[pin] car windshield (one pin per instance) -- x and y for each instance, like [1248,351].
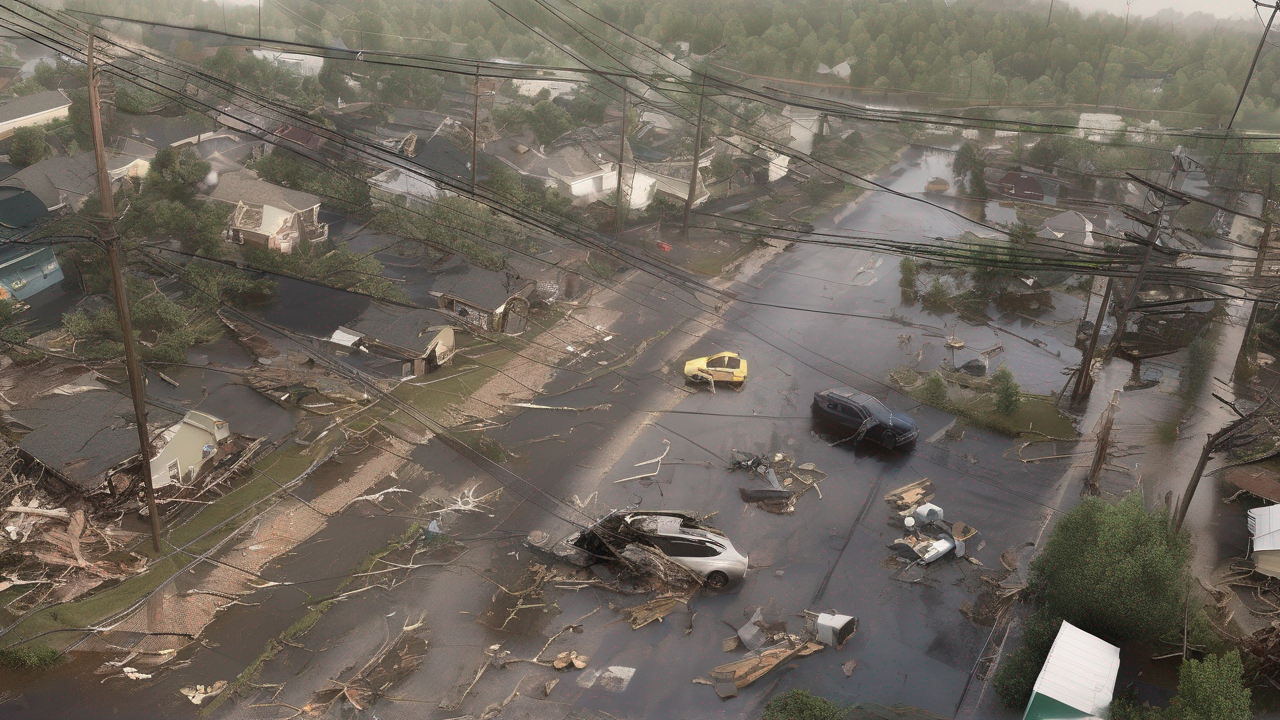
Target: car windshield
[878,410]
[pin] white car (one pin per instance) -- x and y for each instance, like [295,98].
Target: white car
[681,536]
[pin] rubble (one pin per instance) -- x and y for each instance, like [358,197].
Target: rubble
[769,646]
[199,693]
[928,536]
[787,481]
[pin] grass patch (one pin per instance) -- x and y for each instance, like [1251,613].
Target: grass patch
[1036,413]
[1167,432]
[35,657]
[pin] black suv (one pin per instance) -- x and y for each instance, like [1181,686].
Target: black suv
[861,413]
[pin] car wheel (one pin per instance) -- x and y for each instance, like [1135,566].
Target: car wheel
[717,580]
[889,441]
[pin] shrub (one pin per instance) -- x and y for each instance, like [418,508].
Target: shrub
[908,273]
[29,657]
[1017,674]
[937,297]
[1212,689]
[1008,394]
[935,390]
[801,705]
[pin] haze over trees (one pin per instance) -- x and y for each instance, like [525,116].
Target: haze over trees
[977,51]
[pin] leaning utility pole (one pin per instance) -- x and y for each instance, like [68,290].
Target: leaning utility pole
[622,156]
[1122,315]
[1185,502]
[693,172]
[1256,54]
[1257,274]
[1084,379]
[111,245]
[475,126]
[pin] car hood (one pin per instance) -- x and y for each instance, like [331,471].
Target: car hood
[902,423]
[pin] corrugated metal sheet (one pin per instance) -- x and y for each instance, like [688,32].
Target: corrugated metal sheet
[1264,525]
[1080,671]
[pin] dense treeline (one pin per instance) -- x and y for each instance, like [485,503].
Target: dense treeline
[980,51]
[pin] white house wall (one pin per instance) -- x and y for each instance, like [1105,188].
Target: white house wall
[40,118]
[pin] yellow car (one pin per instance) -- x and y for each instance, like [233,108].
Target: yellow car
[725,368]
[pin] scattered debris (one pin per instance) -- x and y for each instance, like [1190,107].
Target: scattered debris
[133,674]
[741,673]
[394,661]
[928,537]
[551,684]
[702,681]
[569,658]
[657,460]
[849,667]
[787,481]
[616,678]
[655,609]
[730,644]
[200,693]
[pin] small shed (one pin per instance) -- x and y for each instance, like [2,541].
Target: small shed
[1264,529]
[1078,678]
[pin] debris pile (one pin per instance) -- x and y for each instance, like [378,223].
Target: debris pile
[928,536]
[394,661]
[56,545]
[787,481]
[634,546]
[770,645]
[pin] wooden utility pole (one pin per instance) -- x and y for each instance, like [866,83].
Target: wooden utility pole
[1084,380]
[1205,456]
[1122,315]
[1257,273]
[475,126]
[111,245]
[622,156]
[693,173]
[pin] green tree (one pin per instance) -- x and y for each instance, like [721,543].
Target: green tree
[28,146]
[722,166]
[935,390]
[174,174]
[1008,394]
[46,75]
[1113,570]
[548,121]
[1212,689]
[1017,674]
[802,705]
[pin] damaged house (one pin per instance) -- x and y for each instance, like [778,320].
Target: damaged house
[85,434]
[397,342]
[269,216]
[491,301]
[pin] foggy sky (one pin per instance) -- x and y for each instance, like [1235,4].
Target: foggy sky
[1147,8]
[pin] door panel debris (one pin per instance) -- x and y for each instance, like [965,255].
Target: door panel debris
[787,481]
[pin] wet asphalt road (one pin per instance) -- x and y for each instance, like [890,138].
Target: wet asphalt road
[913,645]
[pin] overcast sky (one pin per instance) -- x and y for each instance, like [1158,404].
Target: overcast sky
[1220,8]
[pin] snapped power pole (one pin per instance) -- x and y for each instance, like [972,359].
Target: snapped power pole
[1084,378]
[1122,314]
[111,245]
[622,156]
[693,171]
